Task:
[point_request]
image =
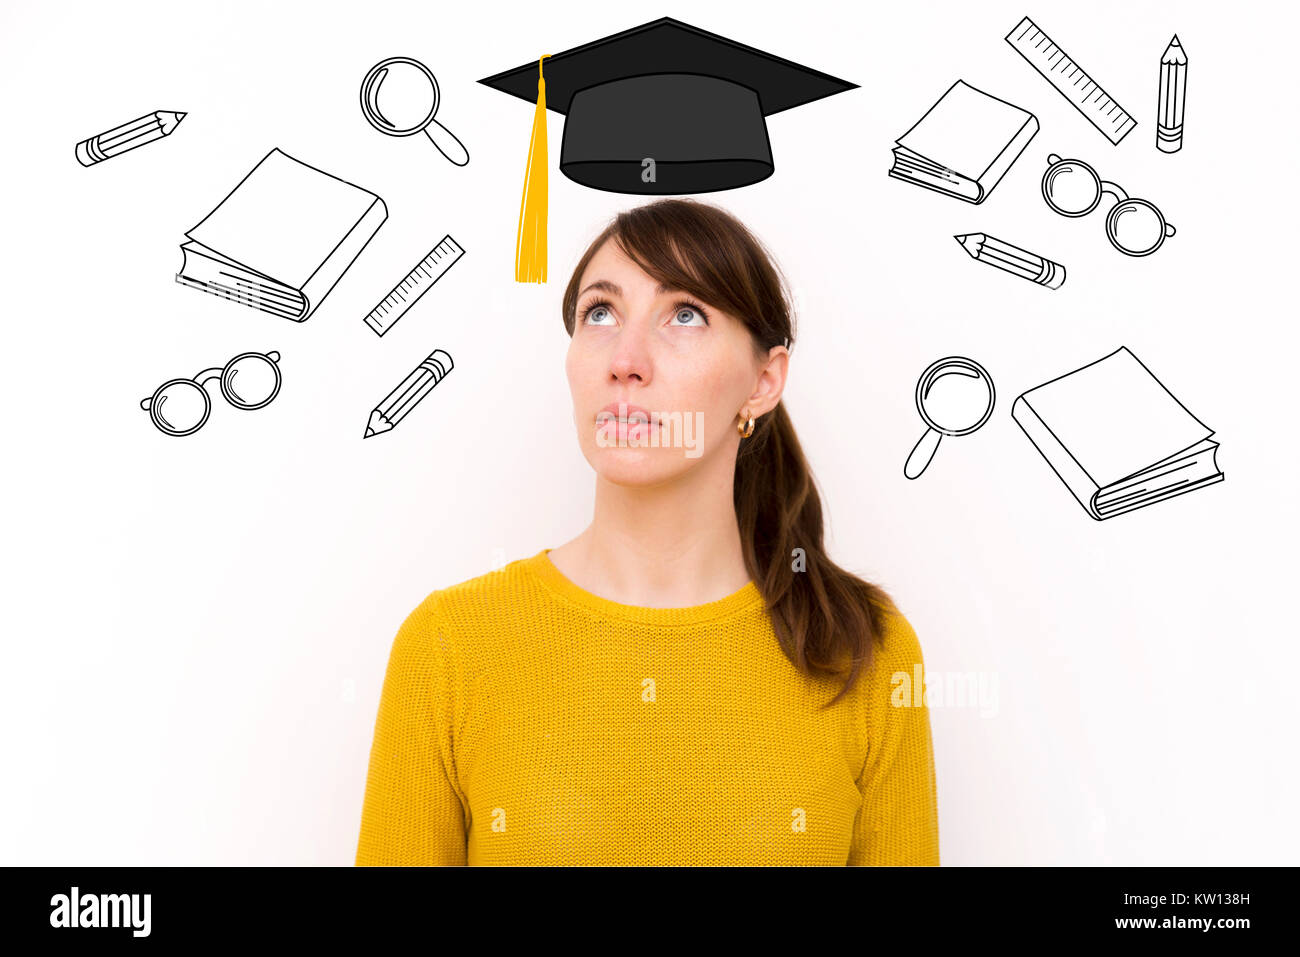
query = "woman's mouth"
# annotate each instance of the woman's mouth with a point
(634, 425)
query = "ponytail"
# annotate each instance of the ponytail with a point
(825, 618)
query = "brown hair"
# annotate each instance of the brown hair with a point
(824, 617)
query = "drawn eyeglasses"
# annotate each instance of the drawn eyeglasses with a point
(248, 381)
(1134, 226)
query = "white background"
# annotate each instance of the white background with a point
(196, 629)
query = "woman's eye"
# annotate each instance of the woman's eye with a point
(598, 315)
(687, 316)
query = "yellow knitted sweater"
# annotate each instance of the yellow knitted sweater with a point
(524, 720)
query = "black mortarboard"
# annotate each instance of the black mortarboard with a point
(662, 108)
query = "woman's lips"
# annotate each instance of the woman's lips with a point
(636, 425)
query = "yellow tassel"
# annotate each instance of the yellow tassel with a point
(530, 244)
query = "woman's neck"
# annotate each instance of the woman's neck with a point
(671, 545)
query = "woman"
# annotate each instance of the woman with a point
(691, 680)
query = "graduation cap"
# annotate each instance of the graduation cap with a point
(663, 108)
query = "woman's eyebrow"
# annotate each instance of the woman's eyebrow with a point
(604, 285)
(614, 289)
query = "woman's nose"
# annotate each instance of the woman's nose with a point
(631, 356)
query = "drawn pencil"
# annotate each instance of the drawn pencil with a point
(128, 136)
(1173, 96)
(409, 393)
(1013, 259)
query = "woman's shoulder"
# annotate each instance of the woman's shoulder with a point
(475, 605)
(896, 676)
(895, 651)
(899, 639)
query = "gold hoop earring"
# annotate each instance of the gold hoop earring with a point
(746, 429)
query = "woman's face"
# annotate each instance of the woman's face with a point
(658, 378)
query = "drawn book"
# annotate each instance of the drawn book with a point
(282, 239)
(964, 144)
(1116, 437)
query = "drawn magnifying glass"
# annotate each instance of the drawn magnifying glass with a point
(400, 97)
(955, 396)
(1072, 188)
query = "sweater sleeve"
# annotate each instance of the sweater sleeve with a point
(898, 824)
(414, 811)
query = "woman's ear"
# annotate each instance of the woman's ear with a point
(770, 383)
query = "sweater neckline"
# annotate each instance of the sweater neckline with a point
(551, 576)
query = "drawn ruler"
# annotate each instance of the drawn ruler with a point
(1070, 80)
(417, 282)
